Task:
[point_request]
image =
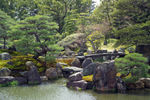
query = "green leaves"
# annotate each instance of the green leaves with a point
(33, 33)
(133, 63)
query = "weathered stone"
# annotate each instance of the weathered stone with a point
(89, 70)
(5, 72)
(105, 77)
(67, 71)
(44, 78)
(51, 73)
(75, 77)
(5, 56)
(5, 80)
(77, 84)
(139, 85)
(81, 58)
(121, 87)
(76, 62)
(32, 75)
(86, 62)
(59, 70)
(146, 82)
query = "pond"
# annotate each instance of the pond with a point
(58, 91)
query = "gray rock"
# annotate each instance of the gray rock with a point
(89, 70)
(121, 87)
(146, 82)
(77, 84)
(51, 73)
(75, 77)
(5, 72)
(86, 62)
(43, 78)
(5, 80)
(67, 71)
(5, 56)
(105, 77)
(59, 70)
(32, 75)
(76, 62)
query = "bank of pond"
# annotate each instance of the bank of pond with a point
(79, 78)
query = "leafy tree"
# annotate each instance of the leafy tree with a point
(35, 35)
(95, 39)
(5, 22)
(134, 64)
(131, 20)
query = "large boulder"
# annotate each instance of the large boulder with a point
(8, 80)
(75, 77)
(32, 75)
(146, 82)
(105, 77)
(86, 62)
(5, 72)
(76, 62)
(5, 56)
(120, 85)
(90, 69)
(59, 70)
(5, 80)
(77, 84)
(67, 71)
(51, 73)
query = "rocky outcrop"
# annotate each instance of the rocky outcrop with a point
(32, 75)
(5, 80)
(146, 82)
(105, 77)
(90, 69)
(5, 72)
(75, 77)
(76, 62)
(86, 62)
(120, 85)
(5, 56)
(77, 84)
(67, 71)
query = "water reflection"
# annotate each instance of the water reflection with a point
(57, 91)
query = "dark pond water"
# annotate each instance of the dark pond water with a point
(58, 91)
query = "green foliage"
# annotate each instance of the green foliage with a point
(14, 83)
(133, 63)
(95, 39)
(137, 34)
(131, 18)
(34, 33)
(5, 22)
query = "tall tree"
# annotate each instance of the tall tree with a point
(5, 23)
(131, 20)
(35, 35)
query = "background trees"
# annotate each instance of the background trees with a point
(5, 22)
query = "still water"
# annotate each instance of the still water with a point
(57, 91)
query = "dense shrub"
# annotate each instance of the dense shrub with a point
(134, 64)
